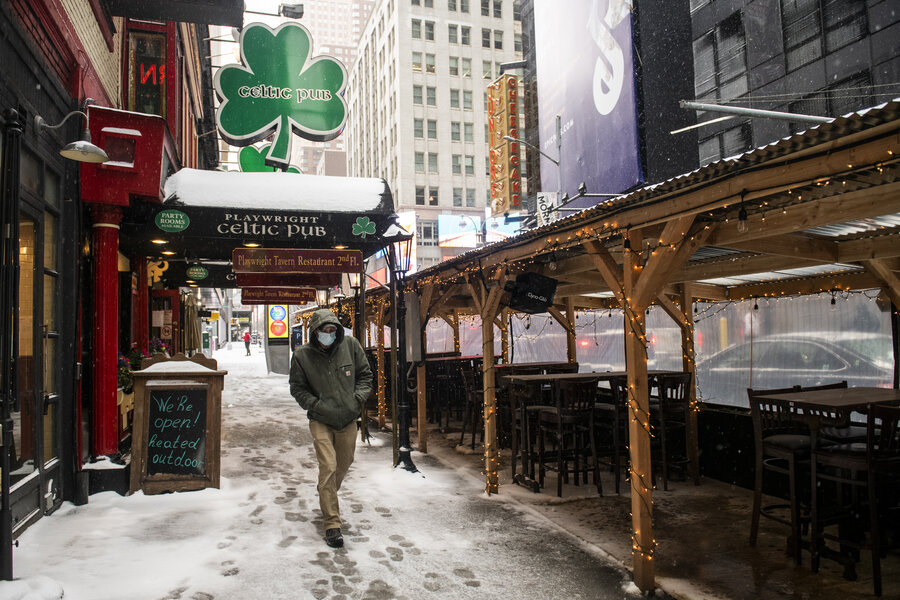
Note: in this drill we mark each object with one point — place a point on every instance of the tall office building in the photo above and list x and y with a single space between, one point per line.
336 26
417 105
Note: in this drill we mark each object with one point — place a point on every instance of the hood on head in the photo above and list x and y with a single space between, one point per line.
321 317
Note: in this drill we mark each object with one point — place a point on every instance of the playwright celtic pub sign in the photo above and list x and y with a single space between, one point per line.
280 89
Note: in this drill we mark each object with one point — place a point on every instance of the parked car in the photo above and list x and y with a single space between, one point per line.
783 360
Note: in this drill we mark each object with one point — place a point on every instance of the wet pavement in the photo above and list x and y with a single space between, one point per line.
702 535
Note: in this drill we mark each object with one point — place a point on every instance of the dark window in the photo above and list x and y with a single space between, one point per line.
730 142
720 64
851 94
485 38
420 195
804 21
485 8
147 73
432 196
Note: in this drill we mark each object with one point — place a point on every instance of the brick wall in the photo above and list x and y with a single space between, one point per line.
106 63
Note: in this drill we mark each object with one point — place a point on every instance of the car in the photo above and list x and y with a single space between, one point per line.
783 360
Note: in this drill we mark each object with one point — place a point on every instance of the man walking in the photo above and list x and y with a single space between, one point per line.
247 342
331 379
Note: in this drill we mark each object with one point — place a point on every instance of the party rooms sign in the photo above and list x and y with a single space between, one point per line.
279 89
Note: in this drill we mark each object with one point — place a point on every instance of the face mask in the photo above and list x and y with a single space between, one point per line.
326 339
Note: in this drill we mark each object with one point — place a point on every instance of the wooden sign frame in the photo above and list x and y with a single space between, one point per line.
212 382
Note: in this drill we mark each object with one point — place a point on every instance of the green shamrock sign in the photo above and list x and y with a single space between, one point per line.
254 161
279 89
363 226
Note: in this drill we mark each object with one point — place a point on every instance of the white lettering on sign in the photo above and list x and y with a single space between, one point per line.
321 95
271 92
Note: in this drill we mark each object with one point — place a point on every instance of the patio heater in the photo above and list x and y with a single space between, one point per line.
399 256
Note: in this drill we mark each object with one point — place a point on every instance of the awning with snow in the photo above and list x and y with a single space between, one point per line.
207 214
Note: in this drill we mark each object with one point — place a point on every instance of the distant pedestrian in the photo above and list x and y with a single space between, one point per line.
331 379
247 342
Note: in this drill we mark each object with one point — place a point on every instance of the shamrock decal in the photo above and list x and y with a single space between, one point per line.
278 89
363 226
254 161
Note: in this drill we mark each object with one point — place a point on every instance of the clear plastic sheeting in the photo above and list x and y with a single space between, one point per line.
808 340
762 343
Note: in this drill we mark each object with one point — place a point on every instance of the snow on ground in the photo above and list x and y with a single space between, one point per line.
428 535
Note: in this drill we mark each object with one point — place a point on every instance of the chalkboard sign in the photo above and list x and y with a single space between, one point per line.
176 442
176 429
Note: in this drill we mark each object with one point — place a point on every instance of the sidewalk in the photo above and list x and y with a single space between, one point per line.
429 535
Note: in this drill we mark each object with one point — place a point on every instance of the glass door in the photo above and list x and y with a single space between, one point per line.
35 469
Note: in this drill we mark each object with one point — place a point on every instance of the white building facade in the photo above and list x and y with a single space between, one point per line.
417 105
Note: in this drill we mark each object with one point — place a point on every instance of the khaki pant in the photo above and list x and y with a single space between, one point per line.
334 451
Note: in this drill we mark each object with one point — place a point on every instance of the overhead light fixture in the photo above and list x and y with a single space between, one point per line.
340 247
82 150
251 244
290 11
168 252
158 241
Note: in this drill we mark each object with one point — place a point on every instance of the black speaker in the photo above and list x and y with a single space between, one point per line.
531 293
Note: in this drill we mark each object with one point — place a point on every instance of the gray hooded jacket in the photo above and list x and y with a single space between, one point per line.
330 384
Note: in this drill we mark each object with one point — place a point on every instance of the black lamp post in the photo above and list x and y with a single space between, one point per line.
400 256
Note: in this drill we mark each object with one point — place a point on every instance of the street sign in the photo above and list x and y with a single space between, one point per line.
294 260
274 295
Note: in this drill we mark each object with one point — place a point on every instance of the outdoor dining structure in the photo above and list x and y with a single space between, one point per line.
812 216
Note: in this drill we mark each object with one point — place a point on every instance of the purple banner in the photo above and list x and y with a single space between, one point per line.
585 74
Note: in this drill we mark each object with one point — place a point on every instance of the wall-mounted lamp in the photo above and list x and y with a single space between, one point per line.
82 150
354 280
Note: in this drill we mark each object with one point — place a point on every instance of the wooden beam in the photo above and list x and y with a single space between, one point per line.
662 260
571 347
638 414
891 283
736 265
608 268
379 358
560 318
858 204
688 364
421 376
792 245
878 246
856 280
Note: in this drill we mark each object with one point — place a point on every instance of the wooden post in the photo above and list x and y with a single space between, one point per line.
454 316
504 335
687 361
379 358
421 377
571 347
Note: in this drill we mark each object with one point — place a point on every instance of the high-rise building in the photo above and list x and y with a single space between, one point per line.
417 106
336 26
